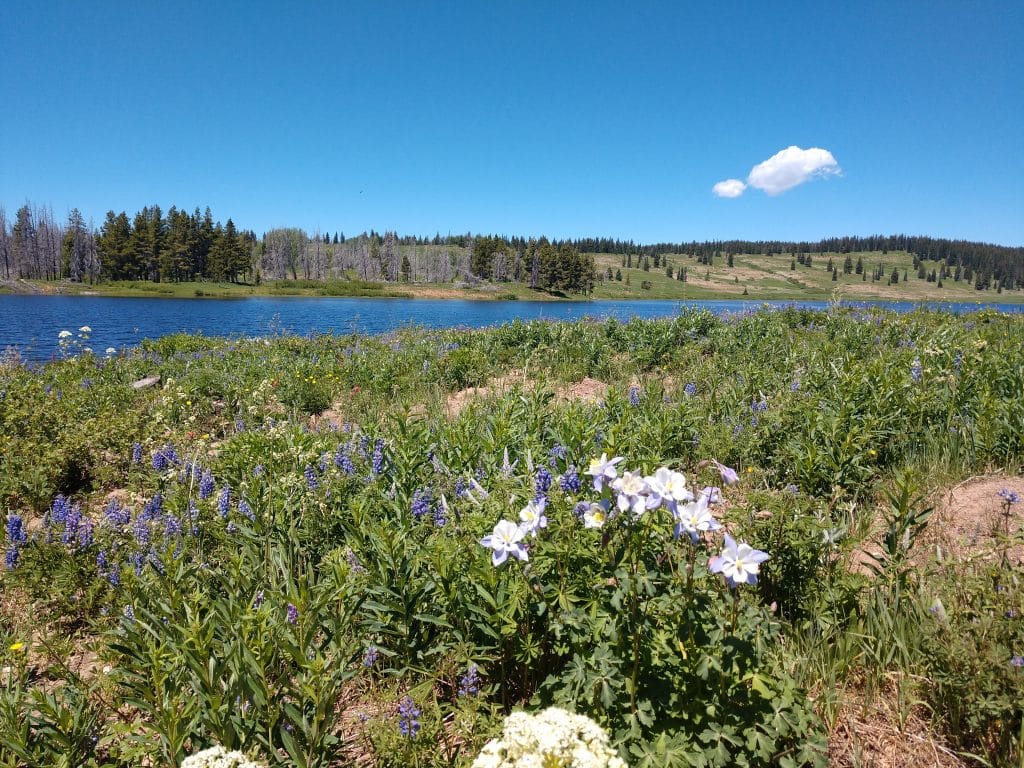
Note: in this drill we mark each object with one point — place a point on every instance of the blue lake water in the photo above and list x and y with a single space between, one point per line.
31 323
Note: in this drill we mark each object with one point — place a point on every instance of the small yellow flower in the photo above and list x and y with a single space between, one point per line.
872 452
188 402
750 469
17 646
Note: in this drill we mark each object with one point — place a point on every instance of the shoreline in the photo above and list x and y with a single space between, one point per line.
503 293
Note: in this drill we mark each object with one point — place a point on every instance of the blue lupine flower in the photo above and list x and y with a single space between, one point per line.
378 457
542 483
239 425
557 452
791 488
915 370
958 361
129 612
136 453
137 561
159 461
469 683
85 529
580 509
224 501
16 530
460 487
440 520
153 508
1010 497
690 389
795 386
311 481
634 396
232 528
570 481
246 510
420 503
370 657
114 575
11 558
257 471
1017 661
257 601
71 522
408 718
206 485
292 614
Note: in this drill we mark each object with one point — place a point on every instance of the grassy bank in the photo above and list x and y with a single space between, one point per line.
754 277
278 547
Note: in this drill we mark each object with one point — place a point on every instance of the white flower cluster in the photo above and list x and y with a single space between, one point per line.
553 737
218 757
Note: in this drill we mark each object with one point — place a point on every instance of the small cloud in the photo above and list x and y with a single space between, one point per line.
729 188
784 170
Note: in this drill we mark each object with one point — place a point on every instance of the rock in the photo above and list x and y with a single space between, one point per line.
149 381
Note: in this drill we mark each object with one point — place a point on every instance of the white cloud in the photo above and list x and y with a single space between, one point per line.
729 188
784 170
790 167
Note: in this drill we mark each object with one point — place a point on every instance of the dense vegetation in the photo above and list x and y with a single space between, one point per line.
180 246
278 547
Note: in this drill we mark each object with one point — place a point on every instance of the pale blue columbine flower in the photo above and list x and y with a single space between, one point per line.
738 563
729 476
714 493
505 540
669 487
532 516
632 493
596 515
603 469
694 519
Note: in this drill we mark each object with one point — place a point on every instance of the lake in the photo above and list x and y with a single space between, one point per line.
31 323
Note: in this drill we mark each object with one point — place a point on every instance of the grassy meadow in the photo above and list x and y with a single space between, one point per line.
353 550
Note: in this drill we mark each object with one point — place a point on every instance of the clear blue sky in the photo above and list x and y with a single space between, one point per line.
556 118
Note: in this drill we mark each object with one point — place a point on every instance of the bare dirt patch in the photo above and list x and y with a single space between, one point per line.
969 518
968 522
870 733
586 390
500 385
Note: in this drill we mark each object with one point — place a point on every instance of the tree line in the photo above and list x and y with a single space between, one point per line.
184 246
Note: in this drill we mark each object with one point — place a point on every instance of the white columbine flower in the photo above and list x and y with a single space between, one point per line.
603 469
533 517
596 516
505 540
695 519
632 493
738 563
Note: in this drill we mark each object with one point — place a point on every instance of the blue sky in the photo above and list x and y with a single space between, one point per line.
556 118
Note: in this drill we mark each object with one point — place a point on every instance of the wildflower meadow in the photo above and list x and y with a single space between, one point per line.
438 548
